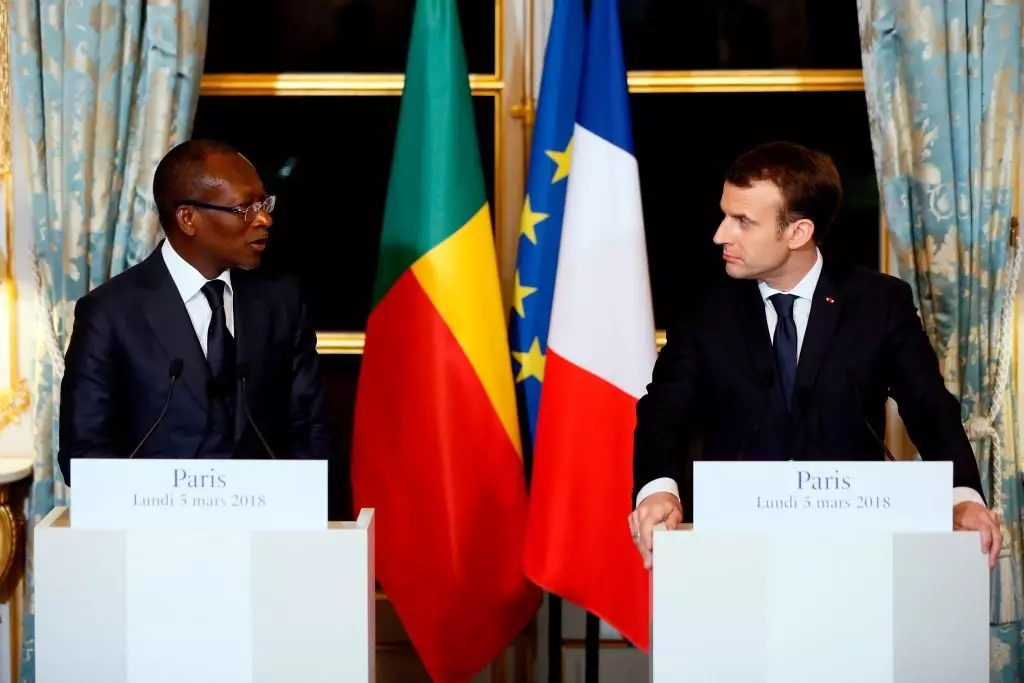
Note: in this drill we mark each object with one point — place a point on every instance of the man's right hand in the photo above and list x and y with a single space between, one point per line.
654 509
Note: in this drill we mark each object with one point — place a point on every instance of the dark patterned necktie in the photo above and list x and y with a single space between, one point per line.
785 342
220 345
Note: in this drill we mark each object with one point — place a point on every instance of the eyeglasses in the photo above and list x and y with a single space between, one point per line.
248 213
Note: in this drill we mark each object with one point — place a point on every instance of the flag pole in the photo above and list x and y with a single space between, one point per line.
592 650
554 638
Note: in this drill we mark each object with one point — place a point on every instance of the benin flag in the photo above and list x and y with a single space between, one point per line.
436 447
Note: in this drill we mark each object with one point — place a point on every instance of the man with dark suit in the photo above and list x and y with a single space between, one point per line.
793 358
196 313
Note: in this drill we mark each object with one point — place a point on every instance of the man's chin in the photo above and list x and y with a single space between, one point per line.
251 262
736 271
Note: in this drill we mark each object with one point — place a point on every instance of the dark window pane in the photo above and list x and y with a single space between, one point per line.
273 36
685 143
741 34
328 160
340 375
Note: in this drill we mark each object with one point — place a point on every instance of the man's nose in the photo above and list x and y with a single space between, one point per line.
262 220
720 234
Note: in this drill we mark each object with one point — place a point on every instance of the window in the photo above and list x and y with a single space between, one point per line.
740 34
685 143
328 160
331 36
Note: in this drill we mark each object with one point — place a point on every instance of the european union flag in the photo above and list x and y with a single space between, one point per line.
541 225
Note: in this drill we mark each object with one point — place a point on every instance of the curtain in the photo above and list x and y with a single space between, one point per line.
942 80
104 88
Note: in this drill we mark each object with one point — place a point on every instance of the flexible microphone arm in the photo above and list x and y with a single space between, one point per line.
243 376
175 372
860 402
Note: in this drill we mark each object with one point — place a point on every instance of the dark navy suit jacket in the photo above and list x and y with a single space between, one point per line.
715 393
127 333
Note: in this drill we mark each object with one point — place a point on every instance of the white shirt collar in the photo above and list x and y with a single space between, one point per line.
187 279
803 289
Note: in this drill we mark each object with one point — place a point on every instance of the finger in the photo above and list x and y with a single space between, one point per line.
647 530
645 551
639 516
634 530
997 544
986 538
675 518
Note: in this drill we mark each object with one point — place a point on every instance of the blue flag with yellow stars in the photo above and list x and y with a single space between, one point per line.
541 225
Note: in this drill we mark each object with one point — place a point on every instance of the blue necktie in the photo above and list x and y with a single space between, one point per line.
785 342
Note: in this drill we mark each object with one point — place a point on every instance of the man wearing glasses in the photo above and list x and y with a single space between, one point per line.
194 353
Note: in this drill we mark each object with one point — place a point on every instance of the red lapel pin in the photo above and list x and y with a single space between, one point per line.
830 299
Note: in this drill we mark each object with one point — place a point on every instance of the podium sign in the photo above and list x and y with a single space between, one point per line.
244 495
823 496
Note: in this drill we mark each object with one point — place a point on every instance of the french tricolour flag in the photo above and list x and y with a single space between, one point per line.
601 352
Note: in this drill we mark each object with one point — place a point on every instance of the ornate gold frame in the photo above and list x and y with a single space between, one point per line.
16 400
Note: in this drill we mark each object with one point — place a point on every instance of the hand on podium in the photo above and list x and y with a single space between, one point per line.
657 508
972 516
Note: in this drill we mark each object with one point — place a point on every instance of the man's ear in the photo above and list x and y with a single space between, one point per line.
802 232
185 218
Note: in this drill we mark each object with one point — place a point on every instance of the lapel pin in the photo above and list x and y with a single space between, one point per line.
830 299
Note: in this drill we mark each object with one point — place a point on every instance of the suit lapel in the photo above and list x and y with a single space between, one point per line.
826 306
754 330
251 327
165 312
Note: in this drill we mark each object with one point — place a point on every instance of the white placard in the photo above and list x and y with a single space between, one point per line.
826 496
117 494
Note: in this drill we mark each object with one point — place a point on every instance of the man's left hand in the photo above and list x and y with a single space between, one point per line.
971 516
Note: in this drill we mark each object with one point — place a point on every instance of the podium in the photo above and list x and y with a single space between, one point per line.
804 603
156 603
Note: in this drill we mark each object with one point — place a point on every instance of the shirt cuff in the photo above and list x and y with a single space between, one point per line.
963 494
662 485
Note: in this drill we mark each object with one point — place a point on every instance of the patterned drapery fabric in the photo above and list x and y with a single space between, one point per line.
103 89
942 79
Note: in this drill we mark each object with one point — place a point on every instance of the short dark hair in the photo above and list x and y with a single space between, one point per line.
180 175
807 179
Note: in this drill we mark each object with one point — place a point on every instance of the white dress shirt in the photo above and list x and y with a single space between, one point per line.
804 292
189 282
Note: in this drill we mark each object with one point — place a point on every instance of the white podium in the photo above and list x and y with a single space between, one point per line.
813 606
217 605
791 577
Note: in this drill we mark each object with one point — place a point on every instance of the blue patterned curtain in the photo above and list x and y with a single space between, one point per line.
942 79
105 88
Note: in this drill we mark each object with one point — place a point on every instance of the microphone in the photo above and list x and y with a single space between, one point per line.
860 402
243 376
175 372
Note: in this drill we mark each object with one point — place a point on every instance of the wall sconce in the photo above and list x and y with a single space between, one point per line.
14 394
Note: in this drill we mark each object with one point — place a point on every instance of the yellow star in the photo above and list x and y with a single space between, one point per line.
531 363
528 224
521 293
562 159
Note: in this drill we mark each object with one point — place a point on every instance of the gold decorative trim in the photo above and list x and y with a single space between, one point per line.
14 403
735 81
285 84
15 400
352 343
499 40
340 343
6 129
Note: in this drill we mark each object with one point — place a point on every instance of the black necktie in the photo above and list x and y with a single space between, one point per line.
785 342
220 345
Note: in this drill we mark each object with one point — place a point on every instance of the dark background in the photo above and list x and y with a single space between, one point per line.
328 158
